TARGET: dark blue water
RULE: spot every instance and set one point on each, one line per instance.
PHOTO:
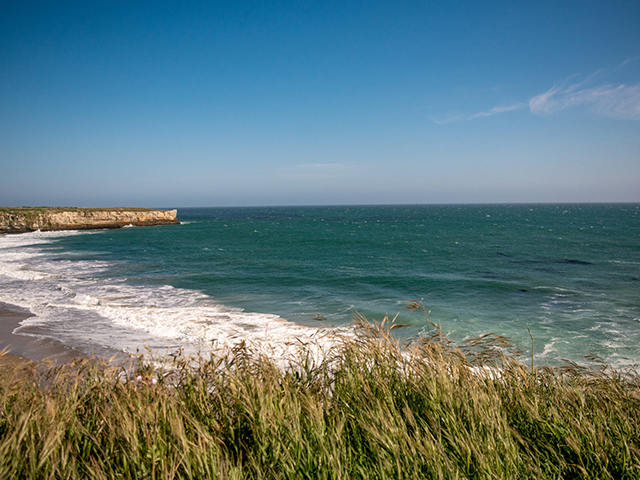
(569, 273)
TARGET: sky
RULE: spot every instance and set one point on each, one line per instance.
(240, 103)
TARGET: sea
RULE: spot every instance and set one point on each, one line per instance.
(561, 279)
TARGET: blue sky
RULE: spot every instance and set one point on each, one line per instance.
(187, 103)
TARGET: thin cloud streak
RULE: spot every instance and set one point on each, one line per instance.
(496, 110)
(617, 101)
(327, 166)
(315, 171)
(470, 116)
(612, 100)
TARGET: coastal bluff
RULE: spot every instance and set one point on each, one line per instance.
(27, 219)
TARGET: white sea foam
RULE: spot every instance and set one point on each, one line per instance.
(76, 303)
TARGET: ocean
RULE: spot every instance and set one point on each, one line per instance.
(569, 273)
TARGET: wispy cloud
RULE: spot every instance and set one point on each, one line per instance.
(615, 100)
(315, 171)
(455, 117)
(321, 166)
(618, 101)
(496, 110)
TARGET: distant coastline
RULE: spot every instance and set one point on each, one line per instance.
(29, 219)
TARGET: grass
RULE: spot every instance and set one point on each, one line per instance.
(369, 408)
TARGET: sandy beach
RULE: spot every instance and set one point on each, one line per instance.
(19, 347)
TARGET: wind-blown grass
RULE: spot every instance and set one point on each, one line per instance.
(370, 408)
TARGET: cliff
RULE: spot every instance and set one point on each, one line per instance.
(20, 220)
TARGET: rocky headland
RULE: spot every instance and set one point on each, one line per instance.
(27, 219)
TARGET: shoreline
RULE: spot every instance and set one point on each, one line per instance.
(21, 348)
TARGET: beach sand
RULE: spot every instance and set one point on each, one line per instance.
(20, 348)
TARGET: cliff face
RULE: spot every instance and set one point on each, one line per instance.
(19, 220)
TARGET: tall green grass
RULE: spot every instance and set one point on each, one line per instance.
(370, 407)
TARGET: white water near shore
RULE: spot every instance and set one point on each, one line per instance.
(71, 302)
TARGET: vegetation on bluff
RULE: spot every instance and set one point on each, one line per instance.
(370, 408)
(28, 219)
(39, 210)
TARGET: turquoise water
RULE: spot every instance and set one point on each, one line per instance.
(569, 273)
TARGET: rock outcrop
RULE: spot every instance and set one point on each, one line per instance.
(20, 220)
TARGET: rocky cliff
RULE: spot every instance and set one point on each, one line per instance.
(19, 220)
